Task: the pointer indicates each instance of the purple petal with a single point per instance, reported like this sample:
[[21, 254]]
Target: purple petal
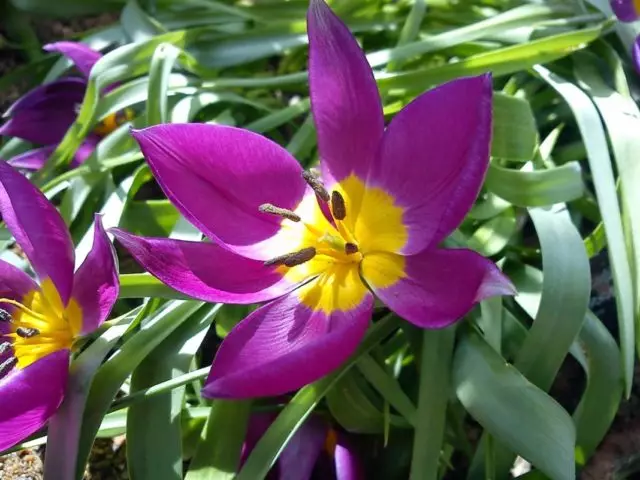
[[38, 228], [45, 113], [84, 151], [29, 397], [437, 287], [434, 156], [205, 270], [15, 285], [635, 53], [298, 459], [344, 97], [283, 346], [218, 176], [95, 284], [33, 159], [81, 55], [348, 464], [625, 10]]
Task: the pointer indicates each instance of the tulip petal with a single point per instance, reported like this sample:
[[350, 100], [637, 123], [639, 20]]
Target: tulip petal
[[285, 345], [84, 151], [95, 284], [625, 10], [45, 113], [298, 459], [32, 159], [15, 285], [347, 461], [38, 228], [83, 56], [204, 270], [30, 396], [218, 176], [436, 287], [434, 156], [344, 97]]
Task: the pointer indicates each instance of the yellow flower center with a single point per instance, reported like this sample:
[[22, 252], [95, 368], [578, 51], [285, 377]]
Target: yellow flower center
[[112, 121], [41, 324], [366, 225]]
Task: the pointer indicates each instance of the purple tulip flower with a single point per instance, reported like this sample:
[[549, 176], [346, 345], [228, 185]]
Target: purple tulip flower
[[39, 322], [44, 114], [319, 249], [310, 447], [626, 10]]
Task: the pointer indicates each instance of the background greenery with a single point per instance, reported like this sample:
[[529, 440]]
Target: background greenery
[[456, 403]]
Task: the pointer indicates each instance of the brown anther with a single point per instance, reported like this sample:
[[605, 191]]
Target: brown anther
[[8, 364], [317, 186], [350, 248], [4, 347], [5, 316], [281, 212], [293, 259], [26, 332], [338, 207]]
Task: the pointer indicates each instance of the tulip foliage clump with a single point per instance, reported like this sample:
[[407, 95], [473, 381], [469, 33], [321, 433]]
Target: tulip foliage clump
[[310, 239]]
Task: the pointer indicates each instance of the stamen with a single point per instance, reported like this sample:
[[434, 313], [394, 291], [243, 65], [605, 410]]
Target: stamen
[[26, 332], [8, 364], [4, 347], [281, 212], [350, 248], [5, 316], [25, 309], [338, 207], [293, 259], [317, 186]]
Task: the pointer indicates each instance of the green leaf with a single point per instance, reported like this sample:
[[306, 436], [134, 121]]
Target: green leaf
[[595, 141], [217, 455], [499, 62], [387, 385], [492, 236], [435, 371], [536, 188], [603, 393], [162, 61], [141, 285], [621, 118], [115, 371], [512, 409], [154, 424], [515, 135]]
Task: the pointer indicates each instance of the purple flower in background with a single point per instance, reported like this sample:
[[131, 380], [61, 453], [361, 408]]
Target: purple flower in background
[[44, 114], [313, 444], [319, 249], [39, 322], [626, 10]]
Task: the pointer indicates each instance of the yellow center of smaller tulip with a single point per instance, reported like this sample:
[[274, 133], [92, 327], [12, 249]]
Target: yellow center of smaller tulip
[[40, 325], [366, 229], [112, 121]]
